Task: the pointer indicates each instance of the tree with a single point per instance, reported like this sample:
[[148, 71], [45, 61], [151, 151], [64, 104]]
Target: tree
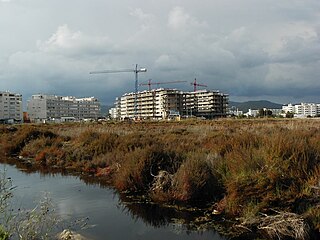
[[289, 115], [263, 112]]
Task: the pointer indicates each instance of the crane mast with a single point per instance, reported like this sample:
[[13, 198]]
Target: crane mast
[[136, 70], [195, 84]]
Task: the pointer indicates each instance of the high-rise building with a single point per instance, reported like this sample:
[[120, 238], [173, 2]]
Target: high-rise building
[[155, 104], [167, 103], [204, 103], [11, 107], [43, 107]]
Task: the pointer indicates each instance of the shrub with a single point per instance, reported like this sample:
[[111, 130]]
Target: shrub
[[133, 173], [23, 136], [138, 167], [49, 155], [3, 234], [195, 180]]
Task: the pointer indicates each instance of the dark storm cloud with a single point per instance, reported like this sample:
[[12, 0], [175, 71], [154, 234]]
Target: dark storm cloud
[[244, 48]]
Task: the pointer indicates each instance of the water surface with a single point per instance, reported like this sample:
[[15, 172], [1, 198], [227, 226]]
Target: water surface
[[109, 216]]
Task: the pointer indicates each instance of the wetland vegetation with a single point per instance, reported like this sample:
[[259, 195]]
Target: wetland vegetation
[[263, 176]]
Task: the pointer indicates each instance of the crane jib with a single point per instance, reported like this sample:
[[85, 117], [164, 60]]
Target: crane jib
[[135, 71], [113, 71]]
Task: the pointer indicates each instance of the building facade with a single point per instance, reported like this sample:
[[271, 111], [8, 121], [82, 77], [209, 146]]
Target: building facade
[[204, 103], [171, 103], [43, 107], [153, 104], [303, 109], [11, 107]]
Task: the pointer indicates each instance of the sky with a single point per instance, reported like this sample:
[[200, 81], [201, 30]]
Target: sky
[[249, 49]]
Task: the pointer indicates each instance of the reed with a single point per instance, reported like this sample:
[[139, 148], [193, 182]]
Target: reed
[[242, 167]]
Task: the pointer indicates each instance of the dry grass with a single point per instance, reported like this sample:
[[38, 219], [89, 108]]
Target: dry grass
[[247, 165], [282, 225]]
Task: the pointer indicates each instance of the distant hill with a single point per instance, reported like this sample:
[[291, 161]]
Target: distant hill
[[244, 106]]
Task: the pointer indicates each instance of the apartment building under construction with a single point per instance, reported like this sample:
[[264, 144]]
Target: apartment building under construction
[[170, 103]]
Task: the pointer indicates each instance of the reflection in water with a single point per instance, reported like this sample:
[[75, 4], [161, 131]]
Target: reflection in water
[[180, 220], [117, 216], [152, 214]]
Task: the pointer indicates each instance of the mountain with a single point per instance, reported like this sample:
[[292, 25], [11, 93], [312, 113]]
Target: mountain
[[244, 106]]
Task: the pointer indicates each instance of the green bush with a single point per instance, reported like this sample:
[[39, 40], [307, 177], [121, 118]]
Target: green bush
[[3, 234]]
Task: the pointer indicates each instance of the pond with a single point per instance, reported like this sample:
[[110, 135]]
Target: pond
[[108, 216]]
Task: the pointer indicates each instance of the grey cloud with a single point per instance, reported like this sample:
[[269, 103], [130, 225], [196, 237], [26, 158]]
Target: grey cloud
[[180, 20], [299, 50], [74, 43], [244, 48]]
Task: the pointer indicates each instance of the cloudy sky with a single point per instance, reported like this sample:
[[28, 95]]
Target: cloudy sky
[[249, 49]]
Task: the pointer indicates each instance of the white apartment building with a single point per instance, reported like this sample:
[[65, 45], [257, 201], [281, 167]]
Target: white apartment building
[[256, 112], [233, 111], [288, 108], [44, 107], [303, 109], [113, 113], [252, 113], [11, 107], [171, 103]]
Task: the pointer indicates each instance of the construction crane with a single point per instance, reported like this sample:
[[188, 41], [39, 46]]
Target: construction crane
[[158, 83], [136, 70], [195, 84]]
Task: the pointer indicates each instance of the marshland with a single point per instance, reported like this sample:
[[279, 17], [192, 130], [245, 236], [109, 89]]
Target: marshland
[[246, 178]]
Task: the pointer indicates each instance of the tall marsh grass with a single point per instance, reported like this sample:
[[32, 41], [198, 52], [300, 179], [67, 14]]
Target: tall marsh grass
[[243, 167]]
